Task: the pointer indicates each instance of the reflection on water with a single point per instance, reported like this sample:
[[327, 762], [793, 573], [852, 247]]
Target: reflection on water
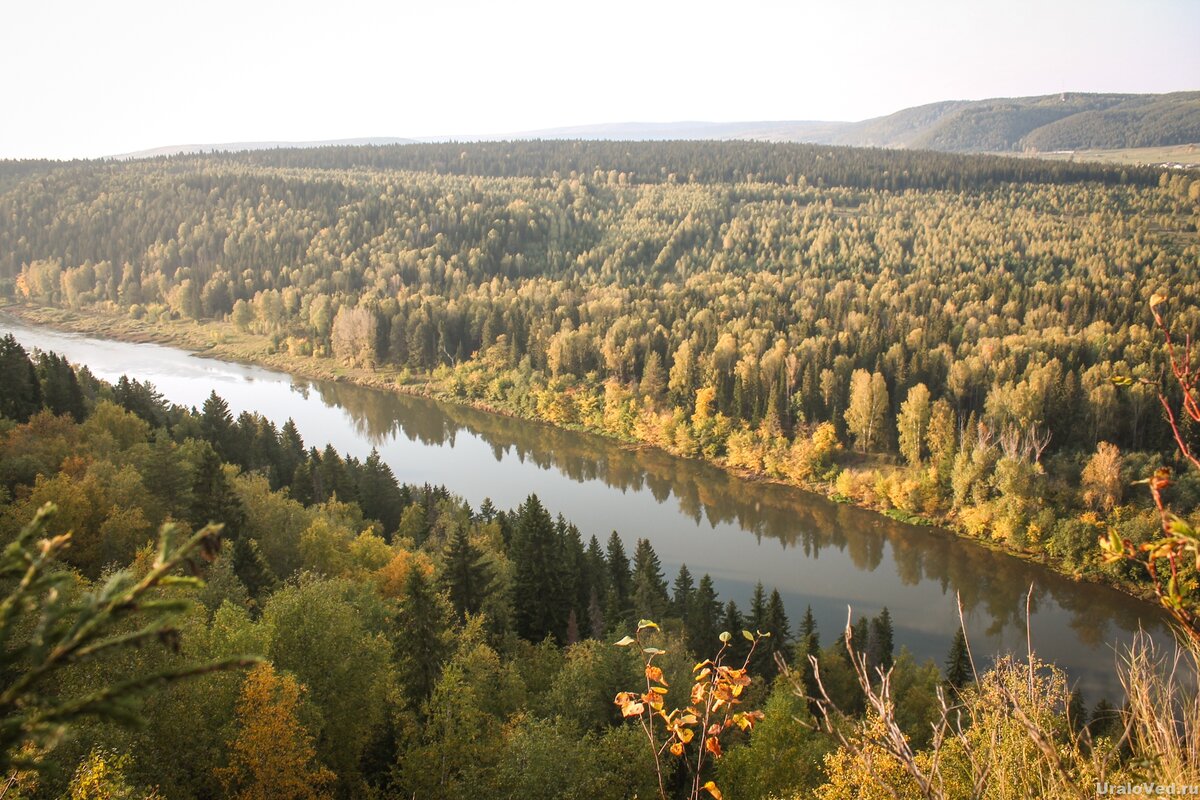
[[816, 552]]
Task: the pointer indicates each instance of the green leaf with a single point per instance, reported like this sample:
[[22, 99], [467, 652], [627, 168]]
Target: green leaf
[[646, 623], [653, 651], [628, 640], [725, 637], [748, 636]]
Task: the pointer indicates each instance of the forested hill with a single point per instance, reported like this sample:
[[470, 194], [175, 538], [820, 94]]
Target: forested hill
[[1068, 121]]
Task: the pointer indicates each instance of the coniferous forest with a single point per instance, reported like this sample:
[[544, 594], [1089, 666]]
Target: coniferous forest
[[976, 342]]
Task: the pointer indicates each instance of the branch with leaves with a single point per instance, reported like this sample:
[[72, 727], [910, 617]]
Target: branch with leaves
[[715, 695], [1179, 543], [44, 630]]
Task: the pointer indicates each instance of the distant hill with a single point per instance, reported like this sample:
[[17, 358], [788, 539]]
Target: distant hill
[[1068, 121], [1049, 123]]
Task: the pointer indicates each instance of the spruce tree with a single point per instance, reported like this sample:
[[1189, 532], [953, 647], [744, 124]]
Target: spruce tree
[[60, 388], [379, 494], [291, 452], [423, 635], [618, 608], [681, 595], [241, 443], [808, 643], [733, 623], [650, 598], [217, 428], [758, 609], [301, 488], [779, 627], [958, 662], [465, 576], [881, 647], [1077, 711], [539, 597], [20, 392], [577, 578], [704, 617], [334, 478], [251, 567], [142, 399], [213, 499], [810, 637]]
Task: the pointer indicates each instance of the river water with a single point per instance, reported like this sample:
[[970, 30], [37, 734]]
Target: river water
[[814, 551]]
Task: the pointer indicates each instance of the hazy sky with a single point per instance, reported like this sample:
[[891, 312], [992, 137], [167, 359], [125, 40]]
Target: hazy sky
[[98, 78]]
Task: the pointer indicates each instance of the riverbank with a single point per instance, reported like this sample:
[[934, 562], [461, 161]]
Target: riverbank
[[221, 340]]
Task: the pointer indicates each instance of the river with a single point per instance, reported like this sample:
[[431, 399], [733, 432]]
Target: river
[[814, 551]]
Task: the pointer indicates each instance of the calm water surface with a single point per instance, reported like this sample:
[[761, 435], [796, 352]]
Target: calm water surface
[[816, 552]]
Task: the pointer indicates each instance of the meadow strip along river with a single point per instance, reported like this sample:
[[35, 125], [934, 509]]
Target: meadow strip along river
[[816, 552]]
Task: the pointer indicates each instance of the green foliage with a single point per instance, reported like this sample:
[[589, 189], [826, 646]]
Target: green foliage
[[783, 756], [318, 635], [47, 624]]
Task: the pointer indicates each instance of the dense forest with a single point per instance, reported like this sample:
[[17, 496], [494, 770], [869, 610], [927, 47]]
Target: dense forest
[[964, 340]]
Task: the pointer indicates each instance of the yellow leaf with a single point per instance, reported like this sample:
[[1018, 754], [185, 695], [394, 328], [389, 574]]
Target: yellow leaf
[[712, 789], [677, 749]]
